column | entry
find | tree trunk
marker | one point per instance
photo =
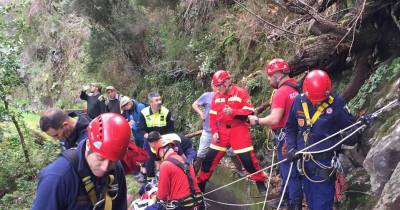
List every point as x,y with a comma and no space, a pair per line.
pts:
20,134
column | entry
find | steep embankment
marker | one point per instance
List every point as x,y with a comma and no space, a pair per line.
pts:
174,47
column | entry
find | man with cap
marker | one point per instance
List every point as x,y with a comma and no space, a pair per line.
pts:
131,110
90,176
92,95
112,100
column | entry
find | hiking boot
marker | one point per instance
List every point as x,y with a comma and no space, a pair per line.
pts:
261,187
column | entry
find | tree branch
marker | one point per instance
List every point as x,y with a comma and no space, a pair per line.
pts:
392,13
264,21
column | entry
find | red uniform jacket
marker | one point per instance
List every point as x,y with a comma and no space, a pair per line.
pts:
239,101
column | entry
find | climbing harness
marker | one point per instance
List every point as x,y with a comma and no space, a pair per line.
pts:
305,150
310,121
195,198
326,171
110,190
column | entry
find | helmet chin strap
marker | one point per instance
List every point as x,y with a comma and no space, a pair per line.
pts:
227,86
277,81
166,148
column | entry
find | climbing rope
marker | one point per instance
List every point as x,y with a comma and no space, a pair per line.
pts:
269,178
374,115
335,145
275,164
284,188
234,204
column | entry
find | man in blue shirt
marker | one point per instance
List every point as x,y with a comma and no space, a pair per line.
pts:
131,110
202,107
315,115
90,176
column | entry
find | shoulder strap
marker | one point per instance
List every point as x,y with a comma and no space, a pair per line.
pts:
318,112
295,86
186,168
72,156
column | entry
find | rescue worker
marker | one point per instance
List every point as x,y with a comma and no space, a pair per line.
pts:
184,146
69,129
229,111
92,95
202,107
112,100
315,115
90,176
155,117
177,186
286,89
131,110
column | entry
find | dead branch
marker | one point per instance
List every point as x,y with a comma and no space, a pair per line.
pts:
354,24
265,21
393,14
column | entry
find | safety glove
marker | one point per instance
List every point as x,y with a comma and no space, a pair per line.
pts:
292,156
367,119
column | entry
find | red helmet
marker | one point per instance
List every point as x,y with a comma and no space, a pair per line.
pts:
276,65
220,77
109,135
317,86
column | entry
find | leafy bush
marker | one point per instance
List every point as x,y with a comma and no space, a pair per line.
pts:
382,74
17,178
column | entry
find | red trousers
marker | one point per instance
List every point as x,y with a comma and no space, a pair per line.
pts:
239,139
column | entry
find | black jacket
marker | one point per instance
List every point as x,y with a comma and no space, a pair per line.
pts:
113,106
95,106
79,133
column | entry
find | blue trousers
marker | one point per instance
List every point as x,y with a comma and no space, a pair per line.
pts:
293,193
320,196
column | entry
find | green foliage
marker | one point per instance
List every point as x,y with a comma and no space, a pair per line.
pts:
384,73
10,43
16,178
207,52
98,47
